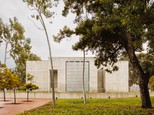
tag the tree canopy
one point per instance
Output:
(8, 79)
(16, 45)
(105, 29)
(29, 86)
(111, 28)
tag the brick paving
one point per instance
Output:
(8, 108)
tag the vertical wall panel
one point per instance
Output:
(74, 74)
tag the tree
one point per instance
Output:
(42, 8)
(12, 34)
(8, 80)
(133, 78)
(3, 80)
(29, 87)
(146, 61)
(16, 45)
(15, 83)
(113, 28)
(21, 54)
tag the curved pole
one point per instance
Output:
(83, 78)
(51, 62)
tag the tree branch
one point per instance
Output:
(36, 25)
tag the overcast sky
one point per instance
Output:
(16, 8)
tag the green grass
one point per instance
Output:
(126, 106)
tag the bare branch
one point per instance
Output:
(35, 24)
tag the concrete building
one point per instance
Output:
(68, 75)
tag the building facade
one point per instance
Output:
(68, 72)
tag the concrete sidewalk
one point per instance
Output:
(8, 108)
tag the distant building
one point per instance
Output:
(68, 75)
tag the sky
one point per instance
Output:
(19, 9)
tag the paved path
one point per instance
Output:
(8, 108)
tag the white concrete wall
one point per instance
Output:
(40, 71)
(93, 76)
(59, 65)
(115, 82)
(33, 95)
(118, 80)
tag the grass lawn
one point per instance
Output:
(125, 106)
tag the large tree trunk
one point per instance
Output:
(143, 78)
(144, 92)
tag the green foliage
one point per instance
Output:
(110, 28)
(151, 83)
(29, 87)
(128, 106)
(105, 29)
(42, 7)
(2, 65)
(13, 35)
(8, 79)
(29, 77)
(20, 57)
(33, 57)
(147, 63)
(66, 32)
